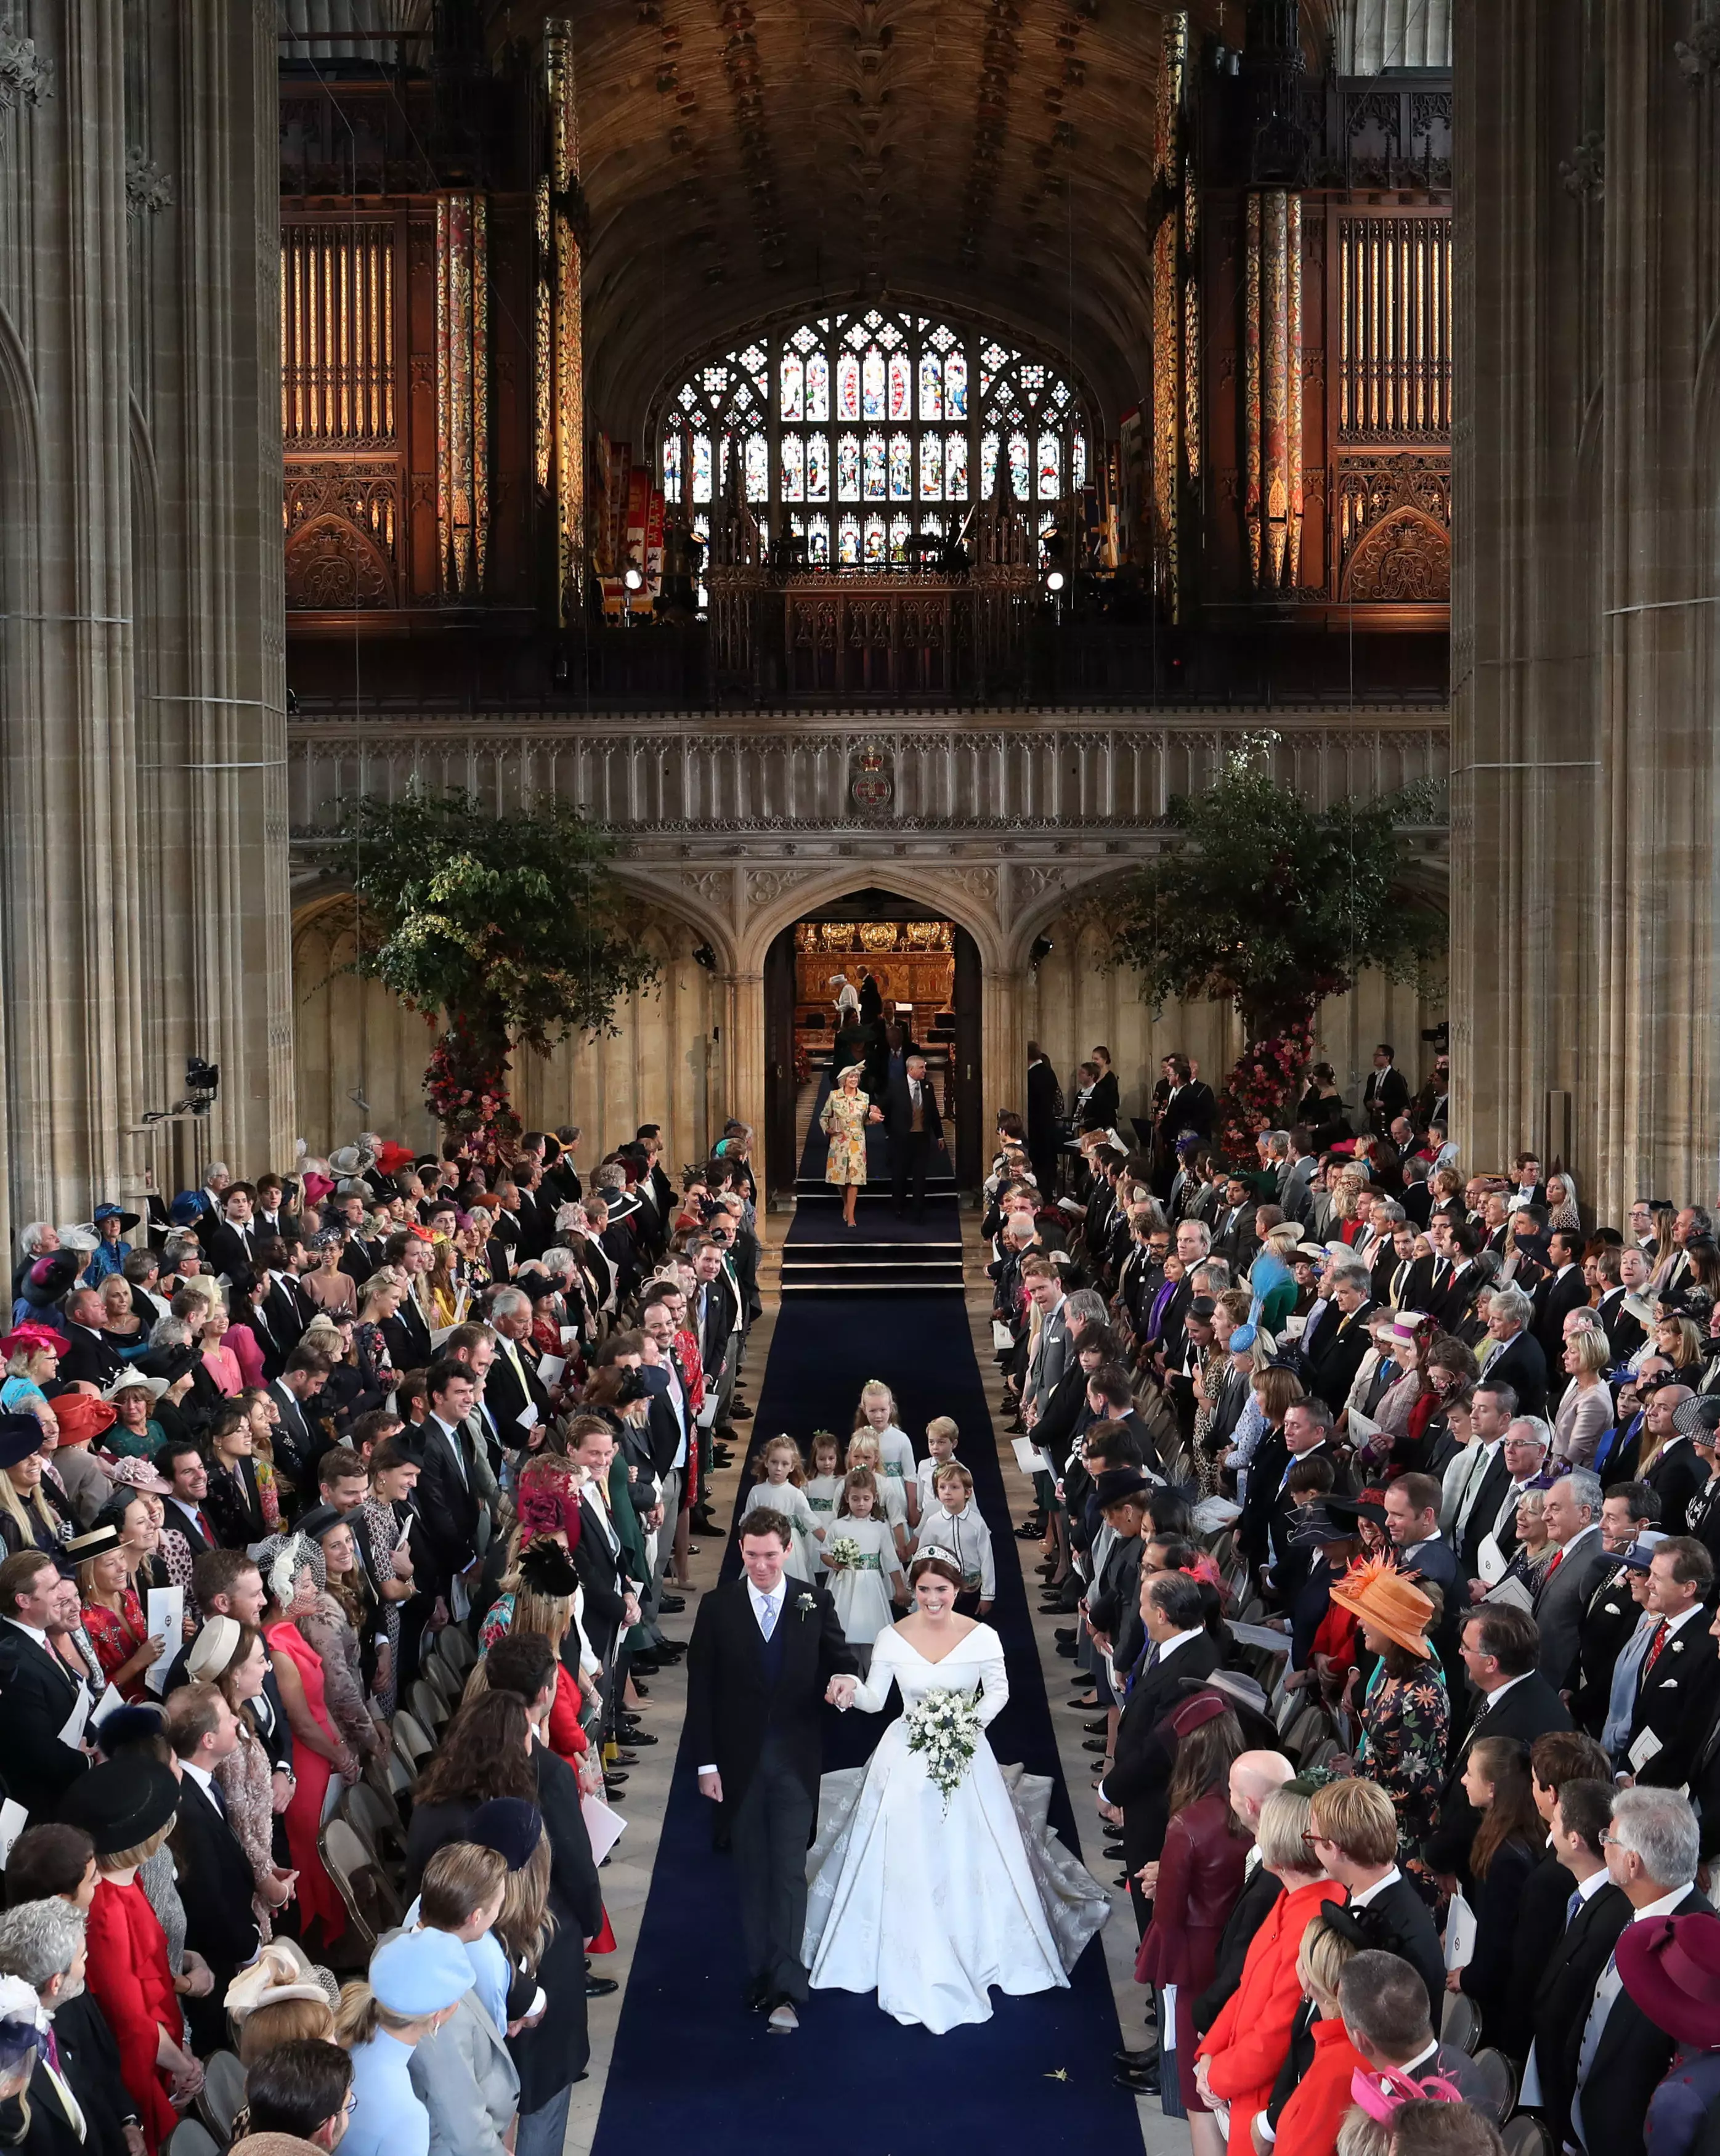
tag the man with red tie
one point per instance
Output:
(1679, 1689)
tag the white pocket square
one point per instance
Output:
(1669, 1684)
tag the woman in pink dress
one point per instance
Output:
(293, 1572)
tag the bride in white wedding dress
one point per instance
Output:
(927, 1906)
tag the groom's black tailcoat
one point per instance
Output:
(735, 1697)
(752, 1712)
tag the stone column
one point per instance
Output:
(1582, 785)
(742, 1062)
(67, 713)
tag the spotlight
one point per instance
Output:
(1054, 580)
(704, 956)
(1043, 947)
(634, 579)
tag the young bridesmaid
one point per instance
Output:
(825, 1484)
(781, 1476)
(858, 1588)
(877, 1413)
(863, 1452)
(941, 1438)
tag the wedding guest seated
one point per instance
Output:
(298, 2101)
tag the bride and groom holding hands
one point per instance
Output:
(935, 1875)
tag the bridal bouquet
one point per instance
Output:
(944, 1728)
(843, 1552)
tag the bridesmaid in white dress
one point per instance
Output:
(863, 1591)
(928, 1906)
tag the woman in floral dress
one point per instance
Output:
(1405, 1718)
(846, 1114)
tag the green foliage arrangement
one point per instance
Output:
(507, 930)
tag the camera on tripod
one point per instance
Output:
(202, 1082)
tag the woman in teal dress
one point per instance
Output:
(846, 1114)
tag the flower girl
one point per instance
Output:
(863, 1452)
(823, 1485)
(779, 1488)
(877, 1413)
(860, 1553)
(956, 1526)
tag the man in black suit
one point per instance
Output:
(1344, 1338)
(1353, 1834)
(1615, 2056)
(229, 1246)
(1478, 1487)
(1136, 1790)
(1269, 1514)
(1616, 1603)
(1233, 1237)
(1679, 1473)
(39, 1690)
(1386, 1095)
(1678, 1690)
(612, 1592)
(1190, 1109)
(1043, 1096)
(1561, 1984)
(1412, 1523)
(766, 1653)
(1500, 1644)
(1563, 1291)
(91, 1361)
(215, 1882)
(298, 1440)
(363, 1253)
(516, 1397)
(447, 1500)
(915, 1133)
(287, 1310)
(1513, 1356)
(407, 1332)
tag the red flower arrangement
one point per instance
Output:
(465, 1086)
(1260, 1091)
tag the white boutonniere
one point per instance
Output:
(1678, 1646)
(805, 1604)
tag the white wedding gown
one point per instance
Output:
(930, 1909)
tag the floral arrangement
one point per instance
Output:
(466, 1089)
(943, 1727)
(844, 1553)
(1260, 1093)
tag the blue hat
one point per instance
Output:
(186, 1210)
(112, 1212)
(1638, 1558)
(419, 1973)
(510, 1826)
(1242, 1339)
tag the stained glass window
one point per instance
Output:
(924, 411)
(931, 466)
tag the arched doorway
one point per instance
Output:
(928, 967)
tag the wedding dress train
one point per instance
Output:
(928, 1908)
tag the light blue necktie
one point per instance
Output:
(1572, 1907)
(768, 1617)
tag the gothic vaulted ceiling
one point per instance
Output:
(744, 156)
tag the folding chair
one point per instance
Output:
(1495, 2091)
(190, 2138)
(1462, 2024)
(224, 2092)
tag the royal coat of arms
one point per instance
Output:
(872, 787)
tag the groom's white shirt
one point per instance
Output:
(761, 1603)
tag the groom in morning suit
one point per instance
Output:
(767, 1651)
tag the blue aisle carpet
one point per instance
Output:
(692, 2069)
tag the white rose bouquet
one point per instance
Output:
(843, 1552)
(944, 1729)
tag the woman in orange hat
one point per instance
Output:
(80, 1418)
(1406, 1716)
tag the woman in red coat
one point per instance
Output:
(1308, 2124)
(1242, 2053)
(126, 1808)
(1194, 1884)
